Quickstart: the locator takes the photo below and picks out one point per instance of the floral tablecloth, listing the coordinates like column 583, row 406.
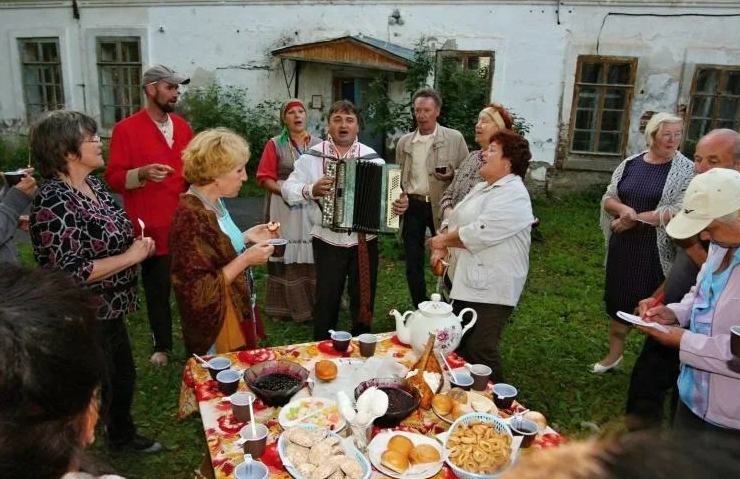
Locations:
column 199, row 392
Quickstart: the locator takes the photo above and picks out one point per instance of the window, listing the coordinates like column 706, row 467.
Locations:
column 41, row 70
column 119, row 67
column 601, row 104
column 715, row 100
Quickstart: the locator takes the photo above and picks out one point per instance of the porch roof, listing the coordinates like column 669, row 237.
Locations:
column 356, row 51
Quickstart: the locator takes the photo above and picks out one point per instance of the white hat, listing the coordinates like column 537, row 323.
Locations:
column 709, row 196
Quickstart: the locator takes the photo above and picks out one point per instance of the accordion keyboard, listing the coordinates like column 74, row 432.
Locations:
column 327, row 215
column 393, row 192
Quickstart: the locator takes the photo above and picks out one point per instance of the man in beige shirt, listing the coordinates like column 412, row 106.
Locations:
column 428, row 157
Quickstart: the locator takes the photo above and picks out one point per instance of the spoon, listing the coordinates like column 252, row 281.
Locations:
column 141, row 223
column 444, row 360
column 203, row 361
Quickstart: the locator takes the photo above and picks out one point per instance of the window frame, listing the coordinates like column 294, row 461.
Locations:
column 120, row 65
column 629, row 89
column 465, row 55
column 723, row 70
column 59, row 74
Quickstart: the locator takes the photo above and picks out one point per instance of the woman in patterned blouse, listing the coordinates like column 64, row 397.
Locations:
column 76, row 226
column 492, row 118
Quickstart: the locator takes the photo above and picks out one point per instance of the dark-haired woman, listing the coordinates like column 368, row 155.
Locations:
column 76, row 226
column 488, row 247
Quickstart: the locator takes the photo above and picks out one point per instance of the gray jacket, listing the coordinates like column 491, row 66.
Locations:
column 13, row 202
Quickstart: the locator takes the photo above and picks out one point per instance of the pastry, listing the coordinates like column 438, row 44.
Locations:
column 442, row 404
column 273, row 226
column 306, row 469
column 323, row 471
column 326, row 370
column 401, row 444
column 296, row 454
column 460, row 410
column 394, row 460
column 458, row 395
column 351, row 468
column 424, row 453
column 537, row 418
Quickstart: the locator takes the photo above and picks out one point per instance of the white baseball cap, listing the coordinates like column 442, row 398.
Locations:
column 709, row 196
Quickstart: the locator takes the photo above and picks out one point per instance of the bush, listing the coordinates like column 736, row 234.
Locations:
column 228, row 106
column 14, row 152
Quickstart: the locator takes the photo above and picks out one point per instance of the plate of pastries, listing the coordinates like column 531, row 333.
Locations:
column 310, row 452
column 456, row 402
column 406, row 455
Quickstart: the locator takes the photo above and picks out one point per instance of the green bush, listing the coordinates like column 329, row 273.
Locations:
column 13, row 152
column 228, row 106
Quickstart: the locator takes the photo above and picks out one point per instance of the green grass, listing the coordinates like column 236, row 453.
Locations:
column 558, row 330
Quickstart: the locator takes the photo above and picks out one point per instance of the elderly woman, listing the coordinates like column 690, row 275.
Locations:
column 646, row 190
column 488, row 244
column 491, row 119
column 291, row 285
column 52, row 366
column 210, row 261
column 77, row 226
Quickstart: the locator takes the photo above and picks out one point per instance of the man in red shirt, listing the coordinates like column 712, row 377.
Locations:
column 145, row 167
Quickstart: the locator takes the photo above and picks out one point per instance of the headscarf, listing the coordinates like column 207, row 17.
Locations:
column 284, row 136
column 494, row 115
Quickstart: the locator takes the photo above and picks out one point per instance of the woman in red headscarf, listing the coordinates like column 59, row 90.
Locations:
column 291, row 283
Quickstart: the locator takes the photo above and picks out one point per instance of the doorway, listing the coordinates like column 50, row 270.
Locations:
column 353, row 89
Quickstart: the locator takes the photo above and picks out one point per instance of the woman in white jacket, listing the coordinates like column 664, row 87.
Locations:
column 487, row 244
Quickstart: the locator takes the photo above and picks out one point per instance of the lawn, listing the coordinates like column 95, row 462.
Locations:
column 558, row 330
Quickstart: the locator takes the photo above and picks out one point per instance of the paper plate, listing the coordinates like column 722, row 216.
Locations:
column 422, row 471
column 329, row 417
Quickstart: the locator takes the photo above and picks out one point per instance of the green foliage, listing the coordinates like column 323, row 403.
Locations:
column 228, row 106
column 13, row 152
column 464, row 94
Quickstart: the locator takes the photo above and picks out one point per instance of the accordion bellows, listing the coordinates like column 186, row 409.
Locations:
column 362, row 198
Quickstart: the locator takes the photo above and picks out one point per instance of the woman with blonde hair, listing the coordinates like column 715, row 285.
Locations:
column 210, row 260
column 646, row 190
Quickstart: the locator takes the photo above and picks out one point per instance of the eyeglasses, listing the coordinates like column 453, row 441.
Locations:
column 94, row 139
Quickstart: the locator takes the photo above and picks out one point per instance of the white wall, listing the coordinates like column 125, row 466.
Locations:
column 535, row 56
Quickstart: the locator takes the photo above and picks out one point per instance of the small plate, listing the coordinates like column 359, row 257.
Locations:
column 380, row 443
column 631, row 318
column 472, row 396
column 329, row 417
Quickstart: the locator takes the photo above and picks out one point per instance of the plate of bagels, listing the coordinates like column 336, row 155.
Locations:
column 406, row 455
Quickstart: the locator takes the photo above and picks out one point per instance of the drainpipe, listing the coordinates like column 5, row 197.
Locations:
column 81, row 45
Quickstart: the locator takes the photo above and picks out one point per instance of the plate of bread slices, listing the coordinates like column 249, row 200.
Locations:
column 406, row 455
column 456, row 402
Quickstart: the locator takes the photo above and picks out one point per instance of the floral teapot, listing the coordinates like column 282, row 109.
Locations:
column 433, row 317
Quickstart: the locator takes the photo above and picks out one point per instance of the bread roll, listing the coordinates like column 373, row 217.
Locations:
column 394, row 460
column 537, row 418
column 460, row 410
column 458, row 395
column 401, row 444
column 326, row 370
column 442, row 404
column 423, row 453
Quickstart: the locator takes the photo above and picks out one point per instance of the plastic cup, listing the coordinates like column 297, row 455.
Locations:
column 216, row 365
column 340, row 340
column 228, row 381
column 480, row 373
column 503, row 395
column 735, row 340
column 279, row 245
column 461, row 379
column 251, row 469
column 368, row 343
column 524, row 427
column 253, row 444
column 240, row 405
column 12, row 178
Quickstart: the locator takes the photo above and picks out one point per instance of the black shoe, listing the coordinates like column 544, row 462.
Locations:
column 136, row 443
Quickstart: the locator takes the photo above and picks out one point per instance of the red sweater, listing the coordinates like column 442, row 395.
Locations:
column 137, row 142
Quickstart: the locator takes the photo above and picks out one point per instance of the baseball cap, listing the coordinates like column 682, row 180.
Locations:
column 164, row 73
column 709, row 196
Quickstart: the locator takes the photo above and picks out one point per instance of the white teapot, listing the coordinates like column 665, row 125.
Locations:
column 433, row 317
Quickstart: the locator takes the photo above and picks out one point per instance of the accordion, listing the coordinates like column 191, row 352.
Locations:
column 362, row 198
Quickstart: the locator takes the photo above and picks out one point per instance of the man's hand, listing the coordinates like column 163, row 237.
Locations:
column 322, row 187
column 671, row 339
column 447, row 175
column 155, row 172
column 27, row 185
column 401, row 204
column 659, row 314
column 23, row 223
